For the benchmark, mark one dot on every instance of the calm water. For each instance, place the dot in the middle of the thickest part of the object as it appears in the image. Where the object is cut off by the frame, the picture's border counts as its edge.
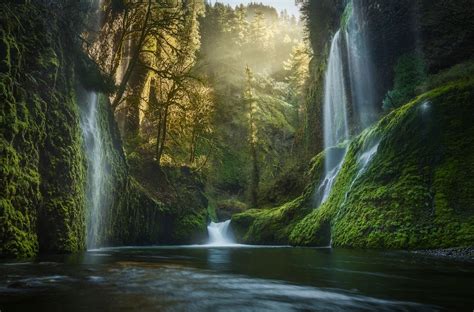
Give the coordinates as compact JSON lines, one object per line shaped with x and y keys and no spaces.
{"x":236,"y":279}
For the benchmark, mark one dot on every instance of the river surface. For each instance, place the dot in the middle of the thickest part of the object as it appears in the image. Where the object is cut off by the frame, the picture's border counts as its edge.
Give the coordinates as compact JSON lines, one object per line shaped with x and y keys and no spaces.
{"x":236,"y":279}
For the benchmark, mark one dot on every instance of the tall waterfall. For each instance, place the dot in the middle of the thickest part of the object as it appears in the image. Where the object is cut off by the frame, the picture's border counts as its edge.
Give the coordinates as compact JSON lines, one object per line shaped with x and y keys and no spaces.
{"x":96,"y":166}
{"x":94,"y":149}
{"x":336,"y":126}
{"x":219,"y":234}
{"x":335,"y":116}
{"x":350,"y":54}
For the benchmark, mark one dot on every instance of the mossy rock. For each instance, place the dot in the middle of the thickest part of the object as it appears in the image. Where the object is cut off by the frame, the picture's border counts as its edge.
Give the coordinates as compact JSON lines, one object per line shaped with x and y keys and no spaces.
{"x":413,"y":193}
{"x":273,"y":226}
{"x":42,"y":202}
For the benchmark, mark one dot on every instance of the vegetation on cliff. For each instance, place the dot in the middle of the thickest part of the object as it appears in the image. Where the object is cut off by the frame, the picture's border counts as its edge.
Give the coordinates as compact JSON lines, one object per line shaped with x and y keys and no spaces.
{"x":210,"y":112}
{"x":408,"y":196}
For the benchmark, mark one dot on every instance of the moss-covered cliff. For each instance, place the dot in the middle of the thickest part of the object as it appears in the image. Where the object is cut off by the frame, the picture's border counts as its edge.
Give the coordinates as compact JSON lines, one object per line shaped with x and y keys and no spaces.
{"x":413,"y":193}
{"x":43,"y":174}
{"x":43,"y":166}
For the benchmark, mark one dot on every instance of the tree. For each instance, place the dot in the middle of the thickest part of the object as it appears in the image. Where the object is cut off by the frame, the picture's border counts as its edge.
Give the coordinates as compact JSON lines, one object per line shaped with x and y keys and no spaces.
{"x":251,"y":104}
{"x":297,"y":71}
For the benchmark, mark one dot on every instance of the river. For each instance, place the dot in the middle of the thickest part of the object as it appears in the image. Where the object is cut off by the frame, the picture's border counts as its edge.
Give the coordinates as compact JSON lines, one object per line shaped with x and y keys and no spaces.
{"x":244,"y":278}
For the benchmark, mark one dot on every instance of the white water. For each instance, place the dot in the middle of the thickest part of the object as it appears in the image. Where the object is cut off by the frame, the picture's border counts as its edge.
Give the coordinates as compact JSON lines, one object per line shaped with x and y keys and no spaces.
{"x":336,"y":102}
{"x":336,"y":128}
{"x":219,"y":234}
{"x":366,"y":157}
{"x":335,"y":121}
{"x":326,"y":185}
{"x":363,"y":162}
{"x":96,"y":166}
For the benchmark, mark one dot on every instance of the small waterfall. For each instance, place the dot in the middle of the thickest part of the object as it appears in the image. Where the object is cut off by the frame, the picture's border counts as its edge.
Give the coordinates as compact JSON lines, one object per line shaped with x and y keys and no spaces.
{"x":96,"y":166}
{"x":326,"y":185}
{"x":219,"y":234}
{"x":337,"y":156}
{"x":363,"y":162}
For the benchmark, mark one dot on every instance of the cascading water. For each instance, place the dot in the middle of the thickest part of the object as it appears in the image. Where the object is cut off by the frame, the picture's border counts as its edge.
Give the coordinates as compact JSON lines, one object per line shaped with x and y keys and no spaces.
{"x":94,"y":150}
{"x":356,"y":61}
{"x":326,"y":185}
{"x":336,"y":126}
{"x":363,"y":162}
{"x":219,"y":234}
{"x":96,"y":166}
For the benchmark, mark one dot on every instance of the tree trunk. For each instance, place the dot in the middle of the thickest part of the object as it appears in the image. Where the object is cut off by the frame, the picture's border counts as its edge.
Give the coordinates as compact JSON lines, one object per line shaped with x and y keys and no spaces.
{"x":133,"y":60}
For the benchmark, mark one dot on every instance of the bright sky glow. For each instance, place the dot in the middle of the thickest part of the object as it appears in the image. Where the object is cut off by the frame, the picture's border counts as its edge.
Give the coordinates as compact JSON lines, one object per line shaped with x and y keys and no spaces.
{"x":280,"y":5}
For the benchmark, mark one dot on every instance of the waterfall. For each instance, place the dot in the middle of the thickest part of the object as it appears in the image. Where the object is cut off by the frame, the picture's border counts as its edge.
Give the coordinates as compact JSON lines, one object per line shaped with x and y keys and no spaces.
{"x":336,"y":128}
{"x":349,"y":53}
{"x":363,"y":162}
{"x":96,"y":166}
{"x":219,"y":234}
{"x":335,"y":121}
{"x":93,"y":144}
{"x":326,"y":185}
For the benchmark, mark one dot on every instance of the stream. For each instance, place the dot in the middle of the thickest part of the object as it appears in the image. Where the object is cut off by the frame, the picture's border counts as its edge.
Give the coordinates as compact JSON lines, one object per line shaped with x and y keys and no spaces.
{"x":239,"y":278}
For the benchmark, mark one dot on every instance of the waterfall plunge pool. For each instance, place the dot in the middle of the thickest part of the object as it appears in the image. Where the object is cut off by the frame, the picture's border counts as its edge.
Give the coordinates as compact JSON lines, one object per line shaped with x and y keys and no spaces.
{"x":249,"y":278}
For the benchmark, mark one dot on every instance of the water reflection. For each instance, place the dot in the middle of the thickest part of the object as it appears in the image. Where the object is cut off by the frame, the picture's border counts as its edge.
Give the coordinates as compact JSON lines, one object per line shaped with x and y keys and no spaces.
{"x":235,"y":279}
{"x":219,"y":258}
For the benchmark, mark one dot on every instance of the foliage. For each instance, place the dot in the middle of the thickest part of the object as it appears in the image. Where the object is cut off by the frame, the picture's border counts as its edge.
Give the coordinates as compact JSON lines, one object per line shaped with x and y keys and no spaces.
{"x":257,"y":89}
{"x":410,"y":72}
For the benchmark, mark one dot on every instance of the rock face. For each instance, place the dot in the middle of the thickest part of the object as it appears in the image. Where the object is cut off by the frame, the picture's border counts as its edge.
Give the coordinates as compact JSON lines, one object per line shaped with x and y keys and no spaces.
{"x":43,"y":169}
{"x":42,"y":166}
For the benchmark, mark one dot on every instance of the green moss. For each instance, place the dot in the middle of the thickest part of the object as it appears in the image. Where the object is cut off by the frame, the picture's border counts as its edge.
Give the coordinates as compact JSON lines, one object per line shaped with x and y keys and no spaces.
{"x":268,"y":226}
{"x":402,"y":201}
{"x":273,"y":226}
{"x":41,"y":162}
{"x":190,"y":228}
{"x":414,"y":192}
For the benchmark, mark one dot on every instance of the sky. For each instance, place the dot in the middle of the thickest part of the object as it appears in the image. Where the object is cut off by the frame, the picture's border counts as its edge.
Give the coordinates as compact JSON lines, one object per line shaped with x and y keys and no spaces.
{"x":280,"y":5}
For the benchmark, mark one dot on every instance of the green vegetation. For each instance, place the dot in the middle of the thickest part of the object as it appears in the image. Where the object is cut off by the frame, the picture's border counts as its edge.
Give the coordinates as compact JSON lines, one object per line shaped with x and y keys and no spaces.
{"x":410,"y":72}
{"x":414,"y":195}
{"x":210,"y":112}
{"x":42,"y":202}
{"x":257,"y":63}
